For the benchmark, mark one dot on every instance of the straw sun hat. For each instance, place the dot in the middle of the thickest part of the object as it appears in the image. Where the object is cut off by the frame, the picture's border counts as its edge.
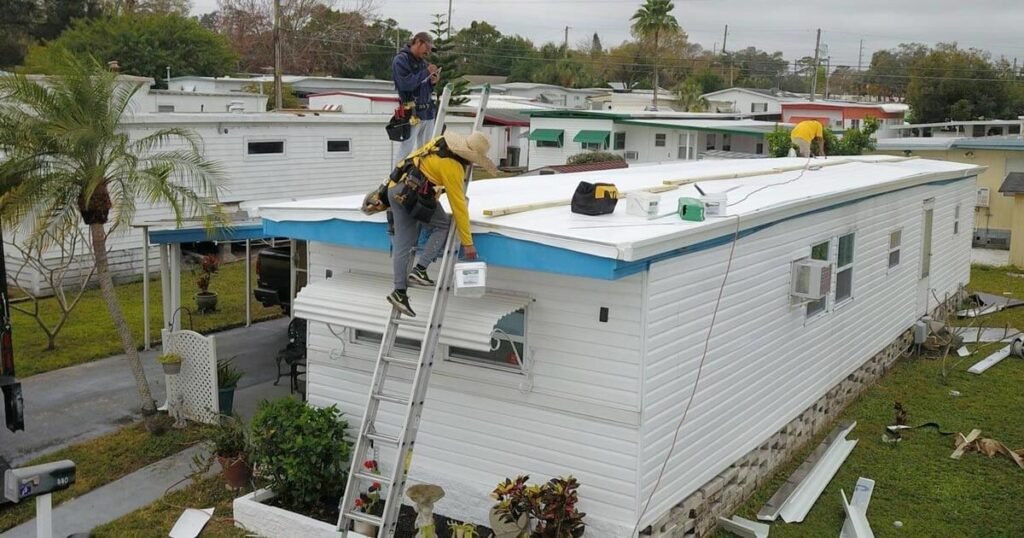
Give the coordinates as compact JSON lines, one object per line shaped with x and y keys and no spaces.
{"x":473,"y":148}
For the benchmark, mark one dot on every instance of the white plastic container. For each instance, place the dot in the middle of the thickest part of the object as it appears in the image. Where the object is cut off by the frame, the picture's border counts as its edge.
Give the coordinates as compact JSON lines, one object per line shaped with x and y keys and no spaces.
{"x":715,"y":204}
{"x":470,"y":279}
{"x":642,"y":204}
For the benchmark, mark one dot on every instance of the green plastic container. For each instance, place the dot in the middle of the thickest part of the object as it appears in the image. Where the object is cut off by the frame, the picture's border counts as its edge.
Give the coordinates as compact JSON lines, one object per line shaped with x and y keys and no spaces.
{"x":691,"y":209}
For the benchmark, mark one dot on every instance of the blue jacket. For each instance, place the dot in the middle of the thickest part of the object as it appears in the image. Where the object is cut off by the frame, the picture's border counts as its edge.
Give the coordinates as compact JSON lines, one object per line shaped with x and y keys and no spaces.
{"x":412,"y":81}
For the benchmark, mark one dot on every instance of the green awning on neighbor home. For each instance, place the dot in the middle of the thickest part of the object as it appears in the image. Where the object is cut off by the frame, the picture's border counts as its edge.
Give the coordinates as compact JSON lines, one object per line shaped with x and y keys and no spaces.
{"x":546,"y":135}
{"x":592,"y":137}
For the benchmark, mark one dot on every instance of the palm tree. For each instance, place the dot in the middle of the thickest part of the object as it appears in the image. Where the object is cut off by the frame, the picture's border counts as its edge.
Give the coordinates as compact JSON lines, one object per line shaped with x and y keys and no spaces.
{"x":68,"y":162}
{"x":689,"y":97}
{"x":650,"y":21}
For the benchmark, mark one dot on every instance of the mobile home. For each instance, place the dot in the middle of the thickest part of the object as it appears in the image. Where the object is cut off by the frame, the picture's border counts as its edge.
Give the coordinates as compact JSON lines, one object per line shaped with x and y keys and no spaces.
{"x":589,"y":344}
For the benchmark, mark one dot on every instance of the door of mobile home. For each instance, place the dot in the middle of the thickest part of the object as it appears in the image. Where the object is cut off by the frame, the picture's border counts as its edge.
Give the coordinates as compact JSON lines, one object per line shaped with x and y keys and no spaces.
{"x":923,"y":286}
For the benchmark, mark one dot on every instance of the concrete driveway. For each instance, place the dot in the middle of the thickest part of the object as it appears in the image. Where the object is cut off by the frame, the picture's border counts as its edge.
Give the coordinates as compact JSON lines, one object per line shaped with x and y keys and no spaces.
{"x":78,"y":403}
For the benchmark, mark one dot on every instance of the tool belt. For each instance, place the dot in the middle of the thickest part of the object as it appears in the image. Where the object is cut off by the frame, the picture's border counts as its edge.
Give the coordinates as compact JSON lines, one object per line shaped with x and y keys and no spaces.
{"x":416,"y":194}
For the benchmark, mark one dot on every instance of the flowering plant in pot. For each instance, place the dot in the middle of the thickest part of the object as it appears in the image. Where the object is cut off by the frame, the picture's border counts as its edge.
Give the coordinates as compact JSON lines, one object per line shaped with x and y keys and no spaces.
{"x":546,"y":511}
{"x":171,"y":363}
{"x":206,"y":300}
{"x":369,"y":502}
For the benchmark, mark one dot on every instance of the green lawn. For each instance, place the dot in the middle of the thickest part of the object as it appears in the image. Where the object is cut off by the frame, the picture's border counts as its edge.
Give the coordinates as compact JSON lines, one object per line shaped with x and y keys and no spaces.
{"x":105,"y":459}
{"x":916,"y":482}
{"x":158,"y":518}
{"x":89,"y":334}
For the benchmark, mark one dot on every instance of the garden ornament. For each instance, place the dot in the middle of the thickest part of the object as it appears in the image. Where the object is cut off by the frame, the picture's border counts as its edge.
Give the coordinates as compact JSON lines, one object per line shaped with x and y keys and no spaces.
{"x":424,"y":496}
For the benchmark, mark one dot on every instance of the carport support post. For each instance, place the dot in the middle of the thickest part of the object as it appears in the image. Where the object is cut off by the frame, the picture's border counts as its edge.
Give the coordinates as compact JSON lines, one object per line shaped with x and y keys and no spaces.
{"x":1017,"y":231}
{"x":145,"y":287}
{"x":165,"y":283}
{"x":248,"y":284}
{"x":175,"y":286}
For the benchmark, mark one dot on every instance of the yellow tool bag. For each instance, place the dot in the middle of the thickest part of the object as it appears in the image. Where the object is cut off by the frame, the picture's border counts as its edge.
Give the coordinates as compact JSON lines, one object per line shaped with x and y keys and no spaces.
{"x":595,"y":198}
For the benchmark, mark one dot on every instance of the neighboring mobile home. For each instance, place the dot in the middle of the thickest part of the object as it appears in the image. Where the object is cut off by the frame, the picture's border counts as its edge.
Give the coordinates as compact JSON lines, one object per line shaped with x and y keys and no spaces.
{"x":1000,"y":155}
{"x":583,"y":355}
{"x":642,"y":137}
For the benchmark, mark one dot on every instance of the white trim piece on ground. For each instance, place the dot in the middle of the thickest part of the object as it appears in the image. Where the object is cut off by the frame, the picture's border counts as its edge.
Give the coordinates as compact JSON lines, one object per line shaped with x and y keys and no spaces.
{"x":810,"y":488}
{"x":859,"y":503}
{"x":787,"y":493}
{"x":857,"y":519}
{"x":744,"y":528}
{"x":995,"y":358}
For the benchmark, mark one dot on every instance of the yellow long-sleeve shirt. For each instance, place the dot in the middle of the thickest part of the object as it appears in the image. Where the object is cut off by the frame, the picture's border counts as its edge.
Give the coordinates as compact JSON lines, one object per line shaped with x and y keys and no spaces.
{"x":807,"y":130}
{"x":451,"y":175}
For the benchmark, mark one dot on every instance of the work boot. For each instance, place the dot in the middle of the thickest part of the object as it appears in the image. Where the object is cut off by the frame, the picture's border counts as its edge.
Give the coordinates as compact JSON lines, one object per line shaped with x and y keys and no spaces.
{"x":400,"y":300}
{"x":420,"y":276}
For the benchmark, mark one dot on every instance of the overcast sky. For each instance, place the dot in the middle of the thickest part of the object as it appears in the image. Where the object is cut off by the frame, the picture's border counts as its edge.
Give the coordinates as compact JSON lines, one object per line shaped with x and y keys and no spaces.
{"x":993,"y":25}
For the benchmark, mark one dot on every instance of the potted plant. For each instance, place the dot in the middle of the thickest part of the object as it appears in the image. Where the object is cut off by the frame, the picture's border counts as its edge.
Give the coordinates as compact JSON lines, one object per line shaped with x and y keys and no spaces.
{"x":369,"y":502}
{"x":463,"y":530}
{"x":547,"y":511}
{"x":171,"y":363}
{"x":227,"y":381}
{"x":231,"y":449}
{"x":206,"y":300}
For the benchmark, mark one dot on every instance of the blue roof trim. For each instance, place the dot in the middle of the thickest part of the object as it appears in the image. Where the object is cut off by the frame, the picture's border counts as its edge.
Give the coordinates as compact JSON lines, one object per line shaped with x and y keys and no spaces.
{"x":197,"y":235}
{"x":528,"y":255}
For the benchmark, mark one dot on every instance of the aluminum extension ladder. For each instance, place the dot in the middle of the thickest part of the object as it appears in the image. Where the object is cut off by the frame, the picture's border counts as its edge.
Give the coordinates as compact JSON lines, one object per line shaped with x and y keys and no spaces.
{"x":393,"y":484}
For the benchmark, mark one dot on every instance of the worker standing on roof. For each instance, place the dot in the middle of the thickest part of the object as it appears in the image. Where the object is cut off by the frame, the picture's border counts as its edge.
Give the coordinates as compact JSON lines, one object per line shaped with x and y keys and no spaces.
{"x":415,"y":79}
{"x":805,"y":133}
{"x":412,"y":198}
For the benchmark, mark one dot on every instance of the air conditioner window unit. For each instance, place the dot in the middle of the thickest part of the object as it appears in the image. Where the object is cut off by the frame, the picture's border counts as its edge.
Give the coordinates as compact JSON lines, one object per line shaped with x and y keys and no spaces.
{"x":983,"y":197}
{"x":812,"y":279}
{"x":632,"y":155}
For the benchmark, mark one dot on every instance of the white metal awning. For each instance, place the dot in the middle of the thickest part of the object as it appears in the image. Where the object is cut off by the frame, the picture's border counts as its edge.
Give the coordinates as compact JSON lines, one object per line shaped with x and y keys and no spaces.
{"x":358,"y":301}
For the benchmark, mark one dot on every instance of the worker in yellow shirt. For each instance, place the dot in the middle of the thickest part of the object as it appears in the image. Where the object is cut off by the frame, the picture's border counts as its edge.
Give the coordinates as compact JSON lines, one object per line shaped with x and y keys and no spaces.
{"x":412,"y":197}
{"x":805,"y":133}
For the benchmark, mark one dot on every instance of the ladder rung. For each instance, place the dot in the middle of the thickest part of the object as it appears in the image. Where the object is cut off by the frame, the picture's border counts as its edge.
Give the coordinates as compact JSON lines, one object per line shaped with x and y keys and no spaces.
{"x":373,"y":478}
{"x":389,"y":439}
{"x":400,"y":400}
{"x":410,"y":322}
{"x":364,"y":518}
{"x":409,"y":363}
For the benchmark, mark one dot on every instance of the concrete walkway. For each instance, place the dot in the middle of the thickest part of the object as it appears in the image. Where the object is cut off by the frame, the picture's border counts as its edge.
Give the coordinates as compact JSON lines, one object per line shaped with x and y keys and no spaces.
{"x":82,"y":402}
{"x":989,"y":256}
{"x":116,"y":499}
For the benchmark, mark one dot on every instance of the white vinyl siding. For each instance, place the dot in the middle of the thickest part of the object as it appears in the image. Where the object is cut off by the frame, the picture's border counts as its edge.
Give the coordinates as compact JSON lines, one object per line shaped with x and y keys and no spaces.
{"x":581,"y":385}
{"x":765,"y":365}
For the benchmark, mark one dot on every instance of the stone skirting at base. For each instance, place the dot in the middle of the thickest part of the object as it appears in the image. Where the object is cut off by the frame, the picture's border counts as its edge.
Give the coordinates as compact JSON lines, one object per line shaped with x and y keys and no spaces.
{"x":697,"y":515}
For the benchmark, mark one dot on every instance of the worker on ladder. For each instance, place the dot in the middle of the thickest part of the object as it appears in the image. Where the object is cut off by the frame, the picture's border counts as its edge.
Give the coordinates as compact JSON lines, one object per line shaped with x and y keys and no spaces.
{"x":412,"y":194}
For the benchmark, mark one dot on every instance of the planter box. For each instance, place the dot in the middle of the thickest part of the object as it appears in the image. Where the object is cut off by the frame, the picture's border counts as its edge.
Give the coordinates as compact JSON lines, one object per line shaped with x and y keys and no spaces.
{"x":268,"y":521}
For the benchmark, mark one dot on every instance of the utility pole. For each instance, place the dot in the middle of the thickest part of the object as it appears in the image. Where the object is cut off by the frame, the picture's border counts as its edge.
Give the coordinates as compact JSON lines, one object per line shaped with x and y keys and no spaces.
{"x":860,"y":55}
{"x":169,"y":76}
{"x":828,"y":71}
{"x":814,"y":75}
{"x":277,"y":56}
{"x":567,"y":41}
{"x":449,"y":19}
{"x":725,"y":38}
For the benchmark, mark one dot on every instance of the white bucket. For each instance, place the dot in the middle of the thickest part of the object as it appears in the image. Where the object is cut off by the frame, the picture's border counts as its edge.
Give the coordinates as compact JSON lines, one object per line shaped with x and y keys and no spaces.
{"x":715,"y":204}
{"x":642,"y":204}
{"x":470,"y":279}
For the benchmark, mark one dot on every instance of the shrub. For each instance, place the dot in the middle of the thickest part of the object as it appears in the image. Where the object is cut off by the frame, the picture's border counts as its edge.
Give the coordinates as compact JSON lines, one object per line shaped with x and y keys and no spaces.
{"x":552,"y":507}
{"x":301,"y":454}
{"x":593,"y":157}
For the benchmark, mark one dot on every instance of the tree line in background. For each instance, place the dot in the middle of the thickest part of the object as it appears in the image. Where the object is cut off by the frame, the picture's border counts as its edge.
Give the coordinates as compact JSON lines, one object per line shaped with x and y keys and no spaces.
{"x":940,"y":82}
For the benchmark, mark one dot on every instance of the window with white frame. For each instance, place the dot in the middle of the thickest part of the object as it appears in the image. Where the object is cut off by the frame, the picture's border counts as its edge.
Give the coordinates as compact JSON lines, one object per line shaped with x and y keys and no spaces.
{"x":956,"y":219}
{"x":373,"y":338}
{"x":855,"y":124}
{"x":337,"y":147}
{"x":819,"y":252}
{"x":659,"y":140}
{"x":593,"y":146}
{"x":844,"y":268}
{"x":758,"y":107}
{"x":508,"y":345}
{"x":619,"y":141}
{"x":264,"y":147}
{"x":895,"y":241}
{"x":165,"y":108}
